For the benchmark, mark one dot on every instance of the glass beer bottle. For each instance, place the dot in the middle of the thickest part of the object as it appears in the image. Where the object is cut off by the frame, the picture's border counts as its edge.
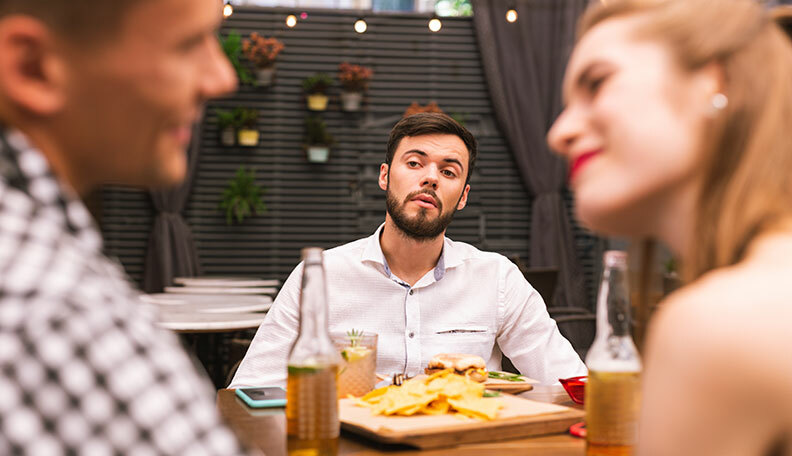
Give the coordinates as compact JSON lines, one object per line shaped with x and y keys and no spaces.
{"x":613,"y":387}
{"x":312,"y":424}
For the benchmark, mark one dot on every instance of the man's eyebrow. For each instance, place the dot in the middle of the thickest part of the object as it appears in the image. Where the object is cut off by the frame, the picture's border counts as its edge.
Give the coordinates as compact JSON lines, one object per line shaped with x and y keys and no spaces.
{"x":416,"y":151}
{"x":454,"y":160}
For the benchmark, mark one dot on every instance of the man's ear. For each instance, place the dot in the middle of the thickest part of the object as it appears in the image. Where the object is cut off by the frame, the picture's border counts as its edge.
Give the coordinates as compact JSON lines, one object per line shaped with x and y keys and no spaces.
{"x":383,"y":176}
{"x":463,"y":198}
{"x":32,"y":73}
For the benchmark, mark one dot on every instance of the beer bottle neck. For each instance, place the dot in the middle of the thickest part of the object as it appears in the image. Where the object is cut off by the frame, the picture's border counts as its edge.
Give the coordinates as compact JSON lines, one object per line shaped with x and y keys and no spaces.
{"x":313,"y":302}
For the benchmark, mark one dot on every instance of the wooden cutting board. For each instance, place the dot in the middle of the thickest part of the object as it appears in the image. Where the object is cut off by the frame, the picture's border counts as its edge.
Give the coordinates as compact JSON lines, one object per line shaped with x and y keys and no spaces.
{"x":518,"y":418}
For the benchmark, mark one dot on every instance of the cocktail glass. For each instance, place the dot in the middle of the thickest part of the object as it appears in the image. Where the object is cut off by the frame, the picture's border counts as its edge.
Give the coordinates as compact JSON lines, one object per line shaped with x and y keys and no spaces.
{"x":357,"y":372}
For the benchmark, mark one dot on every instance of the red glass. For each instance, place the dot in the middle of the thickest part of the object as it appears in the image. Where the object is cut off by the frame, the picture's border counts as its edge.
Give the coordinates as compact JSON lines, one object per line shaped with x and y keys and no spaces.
{"x":575,"y":387}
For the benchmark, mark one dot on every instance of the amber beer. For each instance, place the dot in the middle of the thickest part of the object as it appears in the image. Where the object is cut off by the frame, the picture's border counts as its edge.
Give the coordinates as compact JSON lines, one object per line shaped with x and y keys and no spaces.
{"x":612,"y":406}
{"x":613,"y":386}
{"x":312,"y":424}
{"x":312,"y":412}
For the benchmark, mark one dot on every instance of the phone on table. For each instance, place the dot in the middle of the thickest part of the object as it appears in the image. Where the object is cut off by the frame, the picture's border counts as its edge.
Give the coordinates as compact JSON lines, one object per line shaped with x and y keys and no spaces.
{"x":265,"y":396}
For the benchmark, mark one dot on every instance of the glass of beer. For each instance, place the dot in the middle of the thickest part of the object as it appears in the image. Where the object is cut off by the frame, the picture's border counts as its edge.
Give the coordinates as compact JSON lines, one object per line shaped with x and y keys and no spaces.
{"x":357,"y":373}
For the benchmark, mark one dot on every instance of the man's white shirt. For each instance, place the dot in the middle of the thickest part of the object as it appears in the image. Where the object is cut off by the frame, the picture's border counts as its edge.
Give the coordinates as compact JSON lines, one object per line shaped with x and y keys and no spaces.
{"x":471,"y":302}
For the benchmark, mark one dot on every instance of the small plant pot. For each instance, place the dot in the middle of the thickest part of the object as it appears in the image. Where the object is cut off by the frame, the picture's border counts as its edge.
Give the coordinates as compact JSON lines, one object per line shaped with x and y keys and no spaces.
{"x":317,"y":102}
{"x":248,"y":137}
{"x":317,"y":154}
{"x":265,"y":77}
{"x":228,"y":136}
{"x":350,"y":101}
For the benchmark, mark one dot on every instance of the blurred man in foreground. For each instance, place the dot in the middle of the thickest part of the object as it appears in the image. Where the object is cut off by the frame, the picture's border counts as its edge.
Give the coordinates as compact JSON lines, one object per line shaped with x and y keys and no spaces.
{"x":94,"y":92}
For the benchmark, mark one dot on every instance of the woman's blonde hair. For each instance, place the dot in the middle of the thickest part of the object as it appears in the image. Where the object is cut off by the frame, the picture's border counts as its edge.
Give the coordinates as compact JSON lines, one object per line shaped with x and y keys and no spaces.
{"x":747,"y":148}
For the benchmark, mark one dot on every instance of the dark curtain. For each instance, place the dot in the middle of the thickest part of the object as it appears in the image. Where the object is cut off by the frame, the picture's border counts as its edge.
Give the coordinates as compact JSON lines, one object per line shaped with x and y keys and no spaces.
{"x":524,"y":64}
{"x":171,"y":251}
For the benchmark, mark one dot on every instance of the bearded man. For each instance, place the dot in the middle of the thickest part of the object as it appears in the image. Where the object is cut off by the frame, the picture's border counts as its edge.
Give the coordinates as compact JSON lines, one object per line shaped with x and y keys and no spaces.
{"x":421,"y":292}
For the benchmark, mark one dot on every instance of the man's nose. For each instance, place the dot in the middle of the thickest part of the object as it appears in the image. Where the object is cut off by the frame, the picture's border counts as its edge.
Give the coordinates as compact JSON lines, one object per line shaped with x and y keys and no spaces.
{"x":431,"y":177}
{"x":219,"y":77}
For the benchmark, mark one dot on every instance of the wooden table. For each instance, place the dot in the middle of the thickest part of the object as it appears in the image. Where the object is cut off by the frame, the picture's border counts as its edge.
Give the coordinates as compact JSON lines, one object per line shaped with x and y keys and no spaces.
{"x":265,"y":429}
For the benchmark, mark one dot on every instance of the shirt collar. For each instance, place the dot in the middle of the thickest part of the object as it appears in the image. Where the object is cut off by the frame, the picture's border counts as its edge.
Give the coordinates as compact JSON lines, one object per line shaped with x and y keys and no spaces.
{"x":25,"y":168}
{"x":450,"y":257}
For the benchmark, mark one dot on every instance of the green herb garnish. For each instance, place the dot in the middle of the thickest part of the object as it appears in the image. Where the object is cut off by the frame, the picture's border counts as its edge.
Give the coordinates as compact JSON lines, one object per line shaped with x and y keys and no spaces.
{"x":506,"y":376}
{"x":354,"y":337}
{"x":490,"y":393}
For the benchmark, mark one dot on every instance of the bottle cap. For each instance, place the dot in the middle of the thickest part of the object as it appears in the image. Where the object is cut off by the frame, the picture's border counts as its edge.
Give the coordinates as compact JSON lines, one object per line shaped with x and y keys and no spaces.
{"x":614,"y":258}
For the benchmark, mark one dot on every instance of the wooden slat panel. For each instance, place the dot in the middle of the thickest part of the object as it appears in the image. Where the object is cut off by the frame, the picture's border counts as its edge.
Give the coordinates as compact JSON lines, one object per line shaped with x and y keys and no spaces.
{"x":338,"y":202}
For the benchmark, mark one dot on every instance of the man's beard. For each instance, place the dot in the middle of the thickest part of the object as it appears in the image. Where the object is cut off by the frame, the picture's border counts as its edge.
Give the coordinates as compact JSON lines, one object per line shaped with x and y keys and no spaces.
{"x":420,"y":227}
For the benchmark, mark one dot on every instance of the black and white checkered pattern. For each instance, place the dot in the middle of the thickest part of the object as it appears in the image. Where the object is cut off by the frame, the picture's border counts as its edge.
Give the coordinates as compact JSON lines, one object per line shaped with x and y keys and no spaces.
{"x":83,"y":368}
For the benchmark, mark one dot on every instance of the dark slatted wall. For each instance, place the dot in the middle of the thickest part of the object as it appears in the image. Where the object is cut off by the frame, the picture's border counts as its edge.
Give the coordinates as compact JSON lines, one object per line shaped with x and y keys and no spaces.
{"x":333,"y":203}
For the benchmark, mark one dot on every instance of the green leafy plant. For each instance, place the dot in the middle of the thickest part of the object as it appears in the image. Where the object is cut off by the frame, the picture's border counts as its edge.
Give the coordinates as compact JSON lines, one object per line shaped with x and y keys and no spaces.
{"x":225,"y":118}
{"x":318,"y":83}
{"x":460,"y":117}
{"x":242,"y":197}
{"x":316,"y":132}
{"x":245,"y":118}
{"x":232,"y":46}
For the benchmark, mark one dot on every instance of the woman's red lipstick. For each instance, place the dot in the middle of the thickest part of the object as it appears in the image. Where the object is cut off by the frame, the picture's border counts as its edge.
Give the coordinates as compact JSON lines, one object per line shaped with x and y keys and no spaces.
{"x":578,"y":163}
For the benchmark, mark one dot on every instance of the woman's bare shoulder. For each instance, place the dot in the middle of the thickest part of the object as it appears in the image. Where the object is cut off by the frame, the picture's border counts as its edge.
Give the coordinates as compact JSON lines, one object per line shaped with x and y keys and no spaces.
{"x":733,"y":320}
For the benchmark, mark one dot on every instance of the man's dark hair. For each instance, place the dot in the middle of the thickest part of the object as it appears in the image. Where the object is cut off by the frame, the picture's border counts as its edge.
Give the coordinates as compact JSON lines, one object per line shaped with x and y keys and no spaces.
{"x":431,"y":123}
{"x":81,"y":21}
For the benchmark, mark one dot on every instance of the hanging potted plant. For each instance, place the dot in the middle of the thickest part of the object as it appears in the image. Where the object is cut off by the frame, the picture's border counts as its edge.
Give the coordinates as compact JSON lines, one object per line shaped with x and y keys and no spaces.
{"x":242,"y":197}
{"x":317,"y":140}
{"x":354,"y":79}
{"x":415,"y":108}
{"x":316,"y":91}
{"x":232,"y":47}
{"x":248,"y":134}
{"x":226,"y":127}
{"x":262,"y":52}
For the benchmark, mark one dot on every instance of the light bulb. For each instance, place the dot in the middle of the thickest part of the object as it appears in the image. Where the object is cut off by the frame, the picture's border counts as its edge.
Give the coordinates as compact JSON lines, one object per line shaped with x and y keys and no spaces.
{"x":361,"y":26}
{"x":291,"y":20}
{"x":435,"y":25}
{"x":228,"y":10}
{"x":511,"y":15}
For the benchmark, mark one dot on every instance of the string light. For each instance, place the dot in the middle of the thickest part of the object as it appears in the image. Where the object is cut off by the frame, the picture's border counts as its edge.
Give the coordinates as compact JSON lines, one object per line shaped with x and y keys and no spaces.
{"x":291,"y":20}
{"x":511,"y":15}
{"x":303,"y":15}
{"x":434,"y":24}
{"x":228,"y":10}
{"x":360,"y":25}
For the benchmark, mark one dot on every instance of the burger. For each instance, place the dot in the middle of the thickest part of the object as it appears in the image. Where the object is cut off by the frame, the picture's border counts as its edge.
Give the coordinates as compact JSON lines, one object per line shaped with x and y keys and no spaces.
{"x":470,"y":366}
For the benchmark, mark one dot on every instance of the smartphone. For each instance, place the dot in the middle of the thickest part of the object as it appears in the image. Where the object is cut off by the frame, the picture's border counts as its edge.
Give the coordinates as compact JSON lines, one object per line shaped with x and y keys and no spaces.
{"x":267,"y":396}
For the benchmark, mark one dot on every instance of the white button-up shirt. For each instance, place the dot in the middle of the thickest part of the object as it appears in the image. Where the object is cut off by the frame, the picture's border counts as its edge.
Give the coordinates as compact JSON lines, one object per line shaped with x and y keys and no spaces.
{"x":471,"y":302}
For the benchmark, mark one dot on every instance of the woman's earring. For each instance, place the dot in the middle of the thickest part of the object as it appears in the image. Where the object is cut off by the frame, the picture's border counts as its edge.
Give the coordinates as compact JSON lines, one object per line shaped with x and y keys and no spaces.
{"x":719,"y":101}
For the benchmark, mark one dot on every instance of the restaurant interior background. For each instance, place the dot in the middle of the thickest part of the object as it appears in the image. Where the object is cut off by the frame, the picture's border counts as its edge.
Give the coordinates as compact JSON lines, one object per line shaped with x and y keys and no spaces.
{"x":463,"y":68}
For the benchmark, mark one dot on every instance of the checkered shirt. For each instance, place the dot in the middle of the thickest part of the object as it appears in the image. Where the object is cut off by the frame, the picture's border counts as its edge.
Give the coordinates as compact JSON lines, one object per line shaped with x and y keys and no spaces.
{"x":83,"y":367}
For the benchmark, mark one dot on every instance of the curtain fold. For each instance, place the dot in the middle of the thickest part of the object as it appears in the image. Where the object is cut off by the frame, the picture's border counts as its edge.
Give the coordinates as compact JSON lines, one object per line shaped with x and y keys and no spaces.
{"x":524,"y":65}
{"x":171,"y":250}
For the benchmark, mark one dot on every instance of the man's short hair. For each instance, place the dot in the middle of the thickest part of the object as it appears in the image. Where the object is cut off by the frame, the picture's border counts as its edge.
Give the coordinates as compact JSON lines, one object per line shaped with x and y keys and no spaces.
{"x":431,"y":123}
{"x":78,"y":20}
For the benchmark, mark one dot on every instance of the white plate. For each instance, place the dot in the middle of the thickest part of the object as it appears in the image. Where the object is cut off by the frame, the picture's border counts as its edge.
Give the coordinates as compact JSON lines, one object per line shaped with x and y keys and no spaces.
{"x":209,"y":307}
{"x":220,"y":281}
{"x":197,"y":321}
{"x":221,"y":290}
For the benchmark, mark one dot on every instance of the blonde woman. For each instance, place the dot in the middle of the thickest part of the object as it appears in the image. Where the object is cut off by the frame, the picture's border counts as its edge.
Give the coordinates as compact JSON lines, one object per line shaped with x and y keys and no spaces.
{"x":678,"y":126}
